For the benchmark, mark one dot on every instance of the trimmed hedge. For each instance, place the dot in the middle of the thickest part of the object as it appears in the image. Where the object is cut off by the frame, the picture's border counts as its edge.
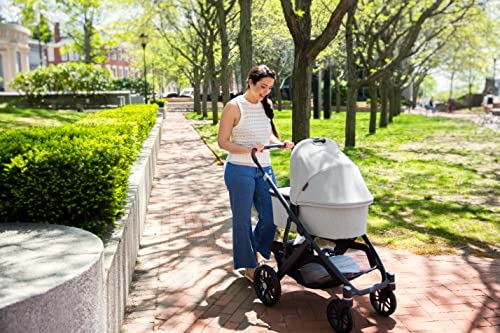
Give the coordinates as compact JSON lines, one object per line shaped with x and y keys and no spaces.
{"x":76,"y":174}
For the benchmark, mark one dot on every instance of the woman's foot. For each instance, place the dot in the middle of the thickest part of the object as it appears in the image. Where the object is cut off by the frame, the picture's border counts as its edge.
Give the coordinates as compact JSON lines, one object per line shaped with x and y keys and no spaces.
{"x":261,"y":260}
{"x":249,"y":274}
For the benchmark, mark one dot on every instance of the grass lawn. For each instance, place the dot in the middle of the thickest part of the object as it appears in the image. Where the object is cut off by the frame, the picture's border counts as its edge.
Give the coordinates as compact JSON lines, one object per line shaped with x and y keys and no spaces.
{"x":24,"y":118}
{"x":435,"y":179}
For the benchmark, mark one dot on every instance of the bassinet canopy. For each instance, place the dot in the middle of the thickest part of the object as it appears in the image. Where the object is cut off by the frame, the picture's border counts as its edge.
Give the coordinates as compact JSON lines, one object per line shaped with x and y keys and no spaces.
{"x":322,"y":175}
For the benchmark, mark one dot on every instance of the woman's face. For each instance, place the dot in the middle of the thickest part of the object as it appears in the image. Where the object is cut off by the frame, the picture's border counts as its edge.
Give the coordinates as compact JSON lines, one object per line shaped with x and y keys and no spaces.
{"x":262,"y":88}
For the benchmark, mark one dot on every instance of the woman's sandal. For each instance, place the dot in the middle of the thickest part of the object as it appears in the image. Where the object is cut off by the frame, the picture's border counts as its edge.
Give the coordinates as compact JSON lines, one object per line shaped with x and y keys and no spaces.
{"x":249,"y":274}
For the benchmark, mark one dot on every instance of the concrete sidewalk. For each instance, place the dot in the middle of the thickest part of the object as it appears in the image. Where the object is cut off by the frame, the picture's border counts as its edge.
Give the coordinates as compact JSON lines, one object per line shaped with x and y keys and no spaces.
{"x":184,"y":281}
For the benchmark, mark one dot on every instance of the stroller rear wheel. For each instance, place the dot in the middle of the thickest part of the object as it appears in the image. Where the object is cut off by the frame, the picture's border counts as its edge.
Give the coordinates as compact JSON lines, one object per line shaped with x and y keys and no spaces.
{"x":339,"y":316}
{"x":383,"y":301}
{"x":267,"y":285}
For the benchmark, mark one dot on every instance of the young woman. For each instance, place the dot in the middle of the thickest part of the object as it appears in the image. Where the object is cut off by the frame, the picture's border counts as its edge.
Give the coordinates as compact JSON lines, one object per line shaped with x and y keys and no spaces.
{"x":247,"y":123}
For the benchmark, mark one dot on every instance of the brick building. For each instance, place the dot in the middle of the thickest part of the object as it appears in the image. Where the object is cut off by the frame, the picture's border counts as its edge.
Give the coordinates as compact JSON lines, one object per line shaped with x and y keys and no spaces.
{"x":117,"y":58}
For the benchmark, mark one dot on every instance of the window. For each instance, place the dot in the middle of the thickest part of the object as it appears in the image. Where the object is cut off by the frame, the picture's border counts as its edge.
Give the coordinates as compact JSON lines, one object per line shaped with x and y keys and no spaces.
{"x":126,"y":72}
{"x":64,"y":56}
{"x":113,"y":54}
{"x":120,"y":71}
{"x":2,"y":88}
{"x":119,"y":54}
{"x":114,"y":71}
{"x":50,"y":52}
{"x":18,"y":62}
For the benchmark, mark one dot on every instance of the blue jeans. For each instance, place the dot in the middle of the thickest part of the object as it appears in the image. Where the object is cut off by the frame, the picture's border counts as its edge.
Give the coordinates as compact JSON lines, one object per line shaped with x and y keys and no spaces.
{"x":247,"y":186}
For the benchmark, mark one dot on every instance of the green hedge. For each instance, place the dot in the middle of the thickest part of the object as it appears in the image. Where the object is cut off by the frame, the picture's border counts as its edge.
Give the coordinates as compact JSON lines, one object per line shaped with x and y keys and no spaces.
{"x":75,"y":174}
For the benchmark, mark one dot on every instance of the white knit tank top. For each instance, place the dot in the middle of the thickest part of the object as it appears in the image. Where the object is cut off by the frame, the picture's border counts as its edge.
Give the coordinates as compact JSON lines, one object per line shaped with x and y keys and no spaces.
{"x":254,"y":127}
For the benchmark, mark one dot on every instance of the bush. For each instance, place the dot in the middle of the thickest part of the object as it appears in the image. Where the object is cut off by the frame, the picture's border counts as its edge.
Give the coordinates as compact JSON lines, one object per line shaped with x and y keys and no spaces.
{"x":69,"y":77}
{"x":158,"y":101}
{"x":76,"y":174}
{"x":135,"y":86}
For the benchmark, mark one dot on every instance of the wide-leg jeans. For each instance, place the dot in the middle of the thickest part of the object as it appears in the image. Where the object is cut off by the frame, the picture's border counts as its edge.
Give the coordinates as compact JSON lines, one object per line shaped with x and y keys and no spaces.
{"x":247,"y":186}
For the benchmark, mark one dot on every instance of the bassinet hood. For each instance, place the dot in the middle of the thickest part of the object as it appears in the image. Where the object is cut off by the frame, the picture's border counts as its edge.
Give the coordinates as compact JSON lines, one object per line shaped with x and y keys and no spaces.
{"x":322,"y":175}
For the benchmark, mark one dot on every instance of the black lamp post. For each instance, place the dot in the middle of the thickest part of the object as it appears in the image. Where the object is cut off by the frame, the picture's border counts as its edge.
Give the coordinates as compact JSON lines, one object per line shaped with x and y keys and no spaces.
{"x":144,"y":41}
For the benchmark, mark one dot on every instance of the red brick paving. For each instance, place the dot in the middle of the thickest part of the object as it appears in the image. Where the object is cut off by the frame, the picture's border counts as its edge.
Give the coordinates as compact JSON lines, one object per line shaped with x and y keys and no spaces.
{"x":184,"y":281}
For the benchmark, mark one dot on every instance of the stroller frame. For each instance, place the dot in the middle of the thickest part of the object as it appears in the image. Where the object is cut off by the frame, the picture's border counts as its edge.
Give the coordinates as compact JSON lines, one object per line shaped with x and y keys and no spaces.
{"x":267,"y":281}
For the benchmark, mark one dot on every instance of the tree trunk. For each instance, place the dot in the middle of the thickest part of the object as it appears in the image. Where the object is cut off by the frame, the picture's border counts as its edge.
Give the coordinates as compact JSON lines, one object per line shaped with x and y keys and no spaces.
{"x":204,"y":102}
{"x":277,"y":90}
{"x":301,"y":96}
{"x":196,"y":91}
{"x":390,"y":95}
{"x":327,"y":92}
{"x":245,"y":40}
{"x":338,"y":94}
{"x":373,"y":107}
{"x":316,"y":90}
{"x":225,"y":74}
{"x":352,"y":89}
{"x":383,"y":101}
{"x":87,"y":28}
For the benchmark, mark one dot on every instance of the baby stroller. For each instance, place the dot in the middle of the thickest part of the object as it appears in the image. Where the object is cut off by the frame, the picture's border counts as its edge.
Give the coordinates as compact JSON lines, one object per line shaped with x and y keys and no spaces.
{"x":328,"y":199}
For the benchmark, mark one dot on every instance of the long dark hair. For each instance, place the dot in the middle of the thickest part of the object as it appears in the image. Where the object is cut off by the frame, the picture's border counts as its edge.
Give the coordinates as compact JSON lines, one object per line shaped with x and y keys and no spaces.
{"x":256,"y":74}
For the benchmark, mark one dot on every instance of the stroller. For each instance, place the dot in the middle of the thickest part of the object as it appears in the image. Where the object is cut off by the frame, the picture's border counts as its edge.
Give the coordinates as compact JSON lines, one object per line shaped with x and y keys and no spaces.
{"x":328,"y":199}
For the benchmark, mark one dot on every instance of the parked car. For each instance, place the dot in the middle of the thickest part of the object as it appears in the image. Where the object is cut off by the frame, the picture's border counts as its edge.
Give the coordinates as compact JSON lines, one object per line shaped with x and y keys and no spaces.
{"x":188,"y":92}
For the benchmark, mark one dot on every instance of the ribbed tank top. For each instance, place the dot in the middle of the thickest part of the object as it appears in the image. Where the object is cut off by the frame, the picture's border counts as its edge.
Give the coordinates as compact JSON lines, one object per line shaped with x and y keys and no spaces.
{"x":254,"y":127}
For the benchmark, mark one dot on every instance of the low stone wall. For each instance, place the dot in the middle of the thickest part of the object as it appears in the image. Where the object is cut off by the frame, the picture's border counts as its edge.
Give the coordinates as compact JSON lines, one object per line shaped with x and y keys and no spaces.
{"x":121,"y":248}
{"x":102,"y":289}
{"x":79,"y":101}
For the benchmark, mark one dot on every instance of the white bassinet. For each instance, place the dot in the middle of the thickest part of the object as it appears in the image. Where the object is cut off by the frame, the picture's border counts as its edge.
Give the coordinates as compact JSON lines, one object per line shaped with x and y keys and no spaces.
{"x":329,"y":190}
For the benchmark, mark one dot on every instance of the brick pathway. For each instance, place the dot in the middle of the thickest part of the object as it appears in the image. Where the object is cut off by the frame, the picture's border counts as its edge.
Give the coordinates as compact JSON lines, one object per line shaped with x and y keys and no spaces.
{"x":184,"y":281}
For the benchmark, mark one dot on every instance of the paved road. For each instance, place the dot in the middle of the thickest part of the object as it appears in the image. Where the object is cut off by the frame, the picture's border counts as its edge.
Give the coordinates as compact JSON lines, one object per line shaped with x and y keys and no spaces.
{"x":184,"y":281}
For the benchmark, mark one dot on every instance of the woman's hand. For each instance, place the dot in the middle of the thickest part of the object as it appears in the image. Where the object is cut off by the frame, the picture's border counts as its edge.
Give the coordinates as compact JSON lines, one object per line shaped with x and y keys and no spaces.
{"x":288,"y":145}
{"x":258,"y":146}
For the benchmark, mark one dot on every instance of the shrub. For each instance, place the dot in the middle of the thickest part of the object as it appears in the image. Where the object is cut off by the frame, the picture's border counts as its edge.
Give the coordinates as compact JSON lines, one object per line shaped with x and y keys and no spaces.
{"x":158,"y":101}
{"x":75,"y":174}
{"x":69,"y":77}
{"x":135,"y":86}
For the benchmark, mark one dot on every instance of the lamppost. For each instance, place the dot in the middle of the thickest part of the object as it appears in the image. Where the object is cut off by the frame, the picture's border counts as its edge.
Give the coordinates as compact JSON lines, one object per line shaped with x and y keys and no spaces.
{"x":144,"y":41}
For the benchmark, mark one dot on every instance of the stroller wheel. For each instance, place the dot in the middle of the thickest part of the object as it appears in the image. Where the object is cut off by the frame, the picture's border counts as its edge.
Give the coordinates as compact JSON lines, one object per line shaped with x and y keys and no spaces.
{"x":267,"y":285}
{"x":339,"y":316}
{"x":383,"y":301}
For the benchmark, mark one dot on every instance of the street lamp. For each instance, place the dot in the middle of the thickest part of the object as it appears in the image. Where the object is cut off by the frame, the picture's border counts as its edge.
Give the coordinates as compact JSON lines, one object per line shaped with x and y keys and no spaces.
{"x":144,"y":41}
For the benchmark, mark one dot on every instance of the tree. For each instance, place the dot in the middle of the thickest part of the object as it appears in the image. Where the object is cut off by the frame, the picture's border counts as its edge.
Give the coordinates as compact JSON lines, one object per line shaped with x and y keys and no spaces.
{"x":81,"y":28}
{"x":305,"y":51}
{"x":245,"y":39}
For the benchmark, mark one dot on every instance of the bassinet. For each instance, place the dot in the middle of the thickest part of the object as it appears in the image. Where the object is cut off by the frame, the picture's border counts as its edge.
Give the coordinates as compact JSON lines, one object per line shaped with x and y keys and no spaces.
{"x":328,"y":188}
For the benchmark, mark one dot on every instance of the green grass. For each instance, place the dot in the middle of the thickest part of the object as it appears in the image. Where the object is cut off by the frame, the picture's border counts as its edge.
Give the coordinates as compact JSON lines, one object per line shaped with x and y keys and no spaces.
{"x":23,"y":118}
{"x":435,"y":180}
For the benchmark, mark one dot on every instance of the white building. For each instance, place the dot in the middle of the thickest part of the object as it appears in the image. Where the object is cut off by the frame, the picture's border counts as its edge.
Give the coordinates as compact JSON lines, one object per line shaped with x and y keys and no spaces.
{"x":14,"y":52}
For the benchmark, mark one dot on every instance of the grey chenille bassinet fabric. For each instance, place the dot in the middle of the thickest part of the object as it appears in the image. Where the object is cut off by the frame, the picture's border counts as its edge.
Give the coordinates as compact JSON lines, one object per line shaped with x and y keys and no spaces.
{"x":321,"y":175}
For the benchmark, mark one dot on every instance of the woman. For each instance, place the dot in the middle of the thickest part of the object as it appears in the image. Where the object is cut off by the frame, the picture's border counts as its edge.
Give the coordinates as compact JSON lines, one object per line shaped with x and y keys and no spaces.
{"x":247,"y":123}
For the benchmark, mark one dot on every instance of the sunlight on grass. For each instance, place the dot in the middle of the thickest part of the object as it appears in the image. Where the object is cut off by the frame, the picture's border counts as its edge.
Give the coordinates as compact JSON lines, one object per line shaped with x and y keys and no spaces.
{"x":24,"y":118}
{"x":435,"y":180}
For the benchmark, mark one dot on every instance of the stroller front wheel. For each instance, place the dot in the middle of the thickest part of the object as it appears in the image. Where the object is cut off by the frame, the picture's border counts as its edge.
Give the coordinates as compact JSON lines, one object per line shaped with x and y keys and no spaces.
{"x":267,"y":285}
{"x":339,"y":316}
{"x":383,"y":301}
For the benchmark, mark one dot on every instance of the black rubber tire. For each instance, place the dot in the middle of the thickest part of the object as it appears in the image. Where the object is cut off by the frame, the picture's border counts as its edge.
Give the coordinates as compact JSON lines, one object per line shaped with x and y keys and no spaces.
{"x":339,"y":316}
{"x":267,"y":286}
{"x":384,"y":302}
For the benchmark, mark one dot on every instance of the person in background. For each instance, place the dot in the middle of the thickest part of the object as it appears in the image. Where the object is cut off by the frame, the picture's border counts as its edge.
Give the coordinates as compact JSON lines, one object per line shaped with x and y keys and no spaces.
{"x":451,"y":104}
{"x":488,"y":102}
{"x":247,"y":123}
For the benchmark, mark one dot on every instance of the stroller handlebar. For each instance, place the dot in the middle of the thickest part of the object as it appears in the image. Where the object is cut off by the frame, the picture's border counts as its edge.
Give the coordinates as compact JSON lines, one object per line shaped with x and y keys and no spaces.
{"x":254,"y":150}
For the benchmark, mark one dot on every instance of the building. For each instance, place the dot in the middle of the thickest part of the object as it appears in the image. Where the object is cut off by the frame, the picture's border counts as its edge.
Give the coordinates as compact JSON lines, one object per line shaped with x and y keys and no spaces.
{"x":117,"y":58}
{"x":14,"y":52}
